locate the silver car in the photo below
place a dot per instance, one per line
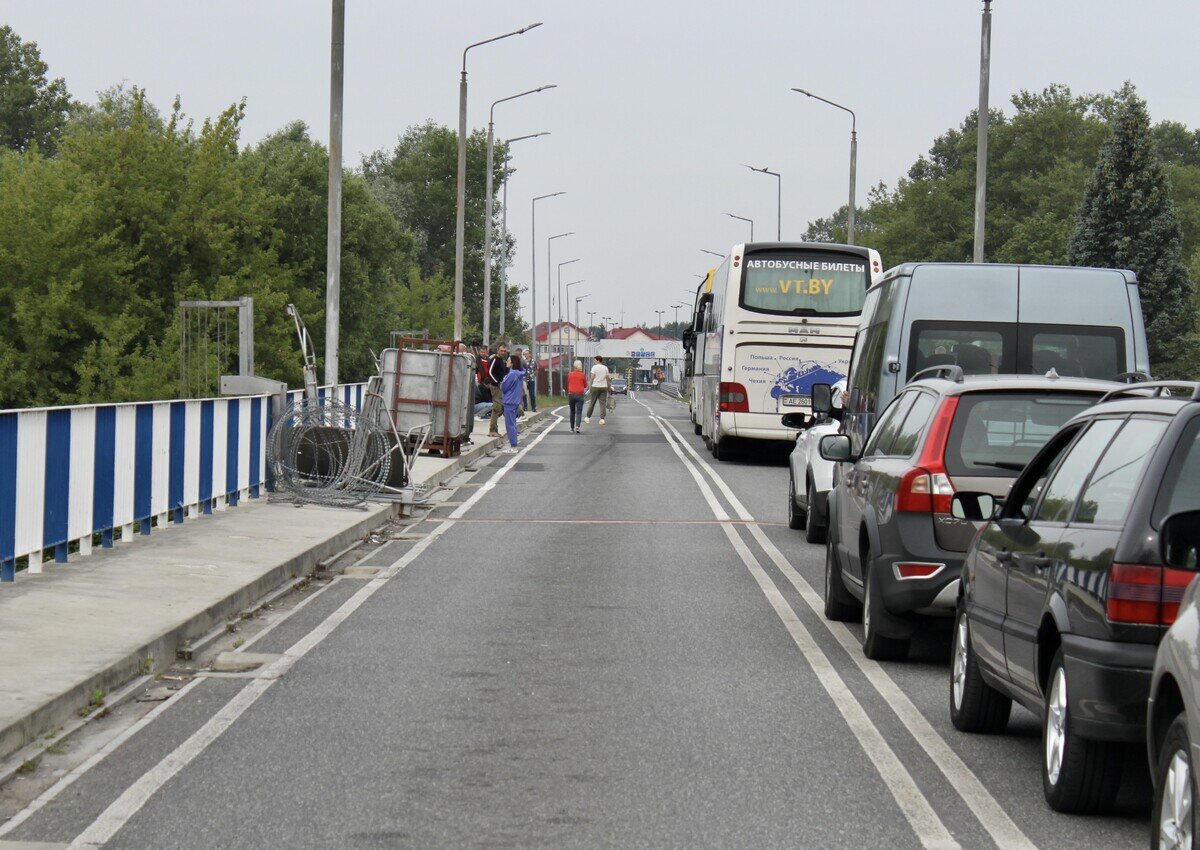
(1173, 710)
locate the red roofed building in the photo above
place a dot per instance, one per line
(635, 334)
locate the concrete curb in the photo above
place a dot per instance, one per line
(25, 733)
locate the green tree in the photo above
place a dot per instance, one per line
(1128, 220)
(33, 110)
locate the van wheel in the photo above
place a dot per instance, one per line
(975, 706)
(797, 518)
(814, 532)
(839, 604)
(696, 427)
(1078, 775)
(1175, 799)
(876, 646)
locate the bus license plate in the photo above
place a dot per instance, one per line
(803, 401)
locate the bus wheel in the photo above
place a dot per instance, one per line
(721, 449)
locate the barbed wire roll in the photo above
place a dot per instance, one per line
(322, 452)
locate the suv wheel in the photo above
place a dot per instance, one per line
(797, 518)
(1078, 775)
(839, 604)
(876, 646)
(1175, 795)
(975, 706)
(814, 532)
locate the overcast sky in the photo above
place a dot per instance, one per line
(657, 105)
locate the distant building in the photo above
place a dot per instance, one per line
(635, 335)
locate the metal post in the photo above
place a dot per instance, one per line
(487, 246)
(985, 64)
(460, 212)
(533, 278)
(504, 227)
(853, 170)
(245, 335)
(333, 241)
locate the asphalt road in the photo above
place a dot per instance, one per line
(609, 640)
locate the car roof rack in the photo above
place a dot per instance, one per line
(951, 372)
(1158, 388)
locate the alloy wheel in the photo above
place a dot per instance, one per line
(959, 675)
(1175, 811)
(1056, 725)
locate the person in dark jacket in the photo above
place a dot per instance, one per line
(496, 370)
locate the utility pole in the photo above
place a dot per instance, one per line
(985, 68)
(333, 233)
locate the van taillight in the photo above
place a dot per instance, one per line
(927, 488)
(733, 398)
(1150, 595)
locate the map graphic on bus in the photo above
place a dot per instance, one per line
(799, 380)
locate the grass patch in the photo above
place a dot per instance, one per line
(95, 701)
(29, 765)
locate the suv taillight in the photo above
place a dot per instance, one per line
(733, 398)
(1150, 595)
(927, 488)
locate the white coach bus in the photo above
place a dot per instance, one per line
(782, 318)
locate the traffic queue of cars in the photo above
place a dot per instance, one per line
(1006, 476)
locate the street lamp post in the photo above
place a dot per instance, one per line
(333, 226)
(743, 218)
(533, 275)
(853, 156)
(714, 253)
(591, 320)
(487, 220)
(560, 316)
(985, 67)
(676, 307)
(660, 315)
(578, 298)
(778, 198)
(461, 211)
(504, 223)
(550, 305)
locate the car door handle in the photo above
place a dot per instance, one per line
(1003, 556)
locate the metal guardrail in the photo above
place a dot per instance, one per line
(70, 474)
(670, 389)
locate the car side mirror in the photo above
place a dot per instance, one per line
(1179, 540)
(794, 420)
(822, 400)
(835, 447)
(973, 506)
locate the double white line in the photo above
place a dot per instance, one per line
(929, 828)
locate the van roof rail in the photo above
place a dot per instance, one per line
(1158, 388)
(951, 371)
(1132, 377)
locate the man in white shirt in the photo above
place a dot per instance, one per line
(599, 390)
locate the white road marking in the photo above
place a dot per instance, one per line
(962, 779)
(926, 824)
(121, 810)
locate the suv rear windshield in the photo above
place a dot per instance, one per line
(995, 434)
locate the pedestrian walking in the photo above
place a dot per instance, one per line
(496, 370)
(530, 381)
(599, 392)
(512, 386)
(576, 387)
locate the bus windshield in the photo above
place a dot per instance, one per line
(804, 283)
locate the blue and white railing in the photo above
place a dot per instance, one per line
(350, 394)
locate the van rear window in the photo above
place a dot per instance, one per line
(983, 348)
(994, 435)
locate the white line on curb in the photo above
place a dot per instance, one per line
(119, 812)
(962, 779)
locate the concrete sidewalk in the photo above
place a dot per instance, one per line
(100, 621)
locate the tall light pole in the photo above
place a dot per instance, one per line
(714, 253)
(504, 224)
(660, 315)
(676, 307)
(461, 211)
(333, 231)
(550, 306)
(579, 298)
(778, 198)
(853, 156)
(533, 275)
(985, 70)
(560, 315)
(487, 215)
(591, 321)
(743, 218)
